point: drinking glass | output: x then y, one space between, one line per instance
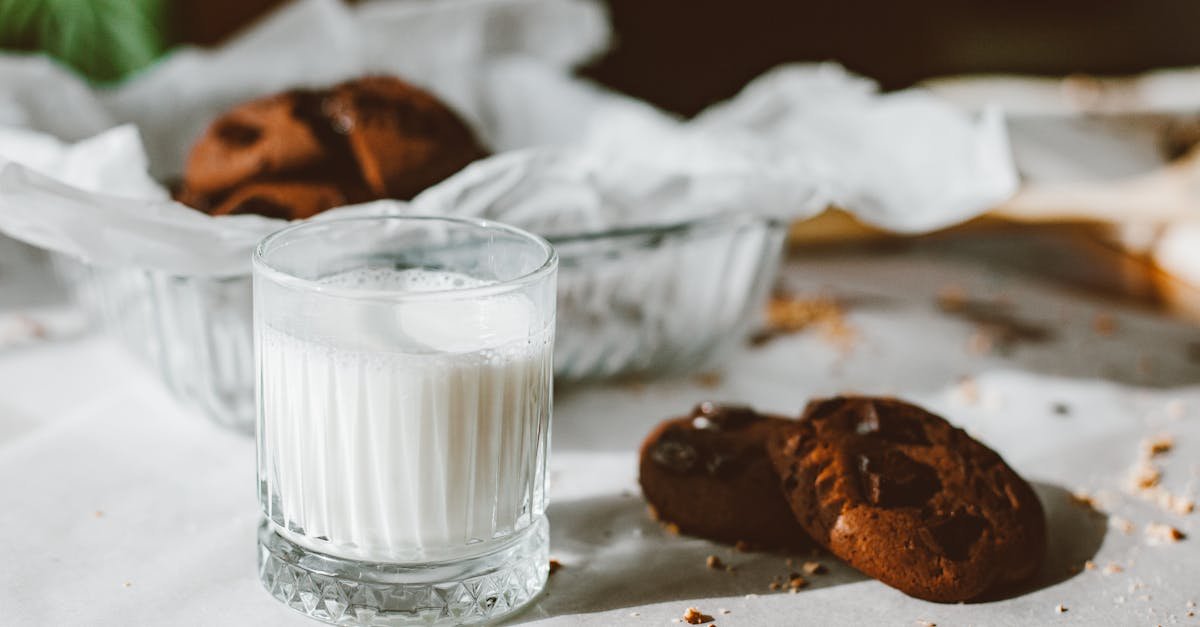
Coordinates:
404 394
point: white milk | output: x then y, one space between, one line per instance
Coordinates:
405 432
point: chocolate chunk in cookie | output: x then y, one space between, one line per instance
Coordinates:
260 138
403 138
285 200
709 475
907 498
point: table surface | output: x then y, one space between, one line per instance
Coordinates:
123 508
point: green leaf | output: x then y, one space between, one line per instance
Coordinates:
105 40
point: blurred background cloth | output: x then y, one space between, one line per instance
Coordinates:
683 55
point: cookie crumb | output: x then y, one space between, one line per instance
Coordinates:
693 616
98 514
1159 533
968 390
1060 609
709 380
1144 365
1182 506
997 327
128 584
743 546
980 343
1145 476
672 528
1121 524
1173 503
796 583
714 563
774 586
19 330
555 566
1089 565
951 298
1083 499
1158 445
814 568
925 623
1112 568
1104 324
788 313
1190 605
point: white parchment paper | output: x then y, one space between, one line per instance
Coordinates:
173 542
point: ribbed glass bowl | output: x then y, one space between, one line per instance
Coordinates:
660 300
644 301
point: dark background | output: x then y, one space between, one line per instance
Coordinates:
684 54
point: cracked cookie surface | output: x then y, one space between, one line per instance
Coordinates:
907 498
707 474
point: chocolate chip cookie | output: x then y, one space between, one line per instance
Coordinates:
709 475
303 151
907 498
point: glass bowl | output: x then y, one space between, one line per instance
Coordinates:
660 300
637 302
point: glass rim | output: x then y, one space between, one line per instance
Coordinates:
262 266
712 222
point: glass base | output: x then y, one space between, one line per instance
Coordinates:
349 592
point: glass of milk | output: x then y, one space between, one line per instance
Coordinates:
404 398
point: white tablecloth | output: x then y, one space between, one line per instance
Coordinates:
121 508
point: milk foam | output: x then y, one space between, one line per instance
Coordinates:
455 325
422 436
407 280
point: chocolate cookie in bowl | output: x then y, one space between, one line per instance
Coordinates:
286 200
298 153
907 498
708 475
261 138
